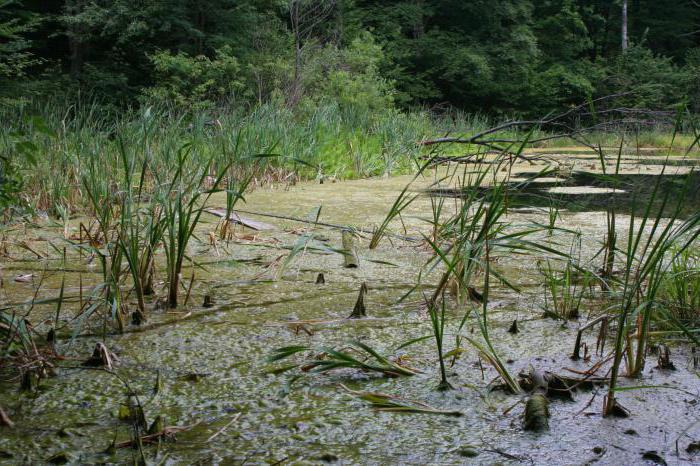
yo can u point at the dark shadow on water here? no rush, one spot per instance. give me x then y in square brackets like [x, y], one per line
[634, 192]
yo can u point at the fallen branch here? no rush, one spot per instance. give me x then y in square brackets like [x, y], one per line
[221, 431]
[167, 432]
[328, 225]
[235, 218]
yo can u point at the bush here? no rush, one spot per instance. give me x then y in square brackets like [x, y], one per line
[350, 77]
[652, 81]
[196, 82]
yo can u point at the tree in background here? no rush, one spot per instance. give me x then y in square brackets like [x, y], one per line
[495, 56]
[16, 58]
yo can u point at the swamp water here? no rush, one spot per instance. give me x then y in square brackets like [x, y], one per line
[212, 360]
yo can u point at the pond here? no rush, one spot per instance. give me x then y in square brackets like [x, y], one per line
[205, 369]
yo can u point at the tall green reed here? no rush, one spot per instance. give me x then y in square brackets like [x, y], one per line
[183, 198]
[654, 242]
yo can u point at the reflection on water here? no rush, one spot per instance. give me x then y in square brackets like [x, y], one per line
[626, 193]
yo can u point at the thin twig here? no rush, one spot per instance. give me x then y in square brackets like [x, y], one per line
[221, 431]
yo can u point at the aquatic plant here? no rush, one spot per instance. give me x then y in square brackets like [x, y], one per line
[680, 289]
[104, 197]
[239, 174]
[183, 200]
[403, 200]
[437, 320]
[610, 240]
[139, 231]
[653, 245]
[487, 351]
[358, 355]
[565, 288]
[395, 404]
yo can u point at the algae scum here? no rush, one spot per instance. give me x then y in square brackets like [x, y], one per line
[204, 368]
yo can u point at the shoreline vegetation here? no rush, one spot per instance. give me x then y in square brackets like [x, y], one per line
[328, 142]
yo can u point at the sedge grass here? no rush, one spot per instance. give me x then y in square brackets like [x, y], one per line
[357, 356]
[653, 244]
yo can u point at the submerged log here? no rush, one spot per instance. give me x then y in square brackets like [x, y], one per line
[349, 252]
[360, 311]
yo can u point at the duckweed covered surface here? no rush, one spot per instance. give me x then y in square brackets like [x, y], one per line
[213, 367]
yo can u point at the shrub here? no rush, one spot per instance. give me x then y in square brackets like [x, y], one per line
[196, 82]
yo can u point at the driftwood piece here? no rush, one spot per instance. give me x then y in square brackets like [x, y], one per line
[351, 260]
[246, 222]
[5, 420]
[330, 225]
[360, 311]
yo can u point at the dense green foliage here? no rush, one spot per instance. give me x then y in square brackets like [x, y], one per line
[496, 56]
[325, 84]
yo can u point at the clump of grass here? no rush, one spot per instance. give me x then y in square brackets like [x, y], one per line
[653, 245]
[680, 289]
[183, 201]
[565, 288]
[356, 356]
